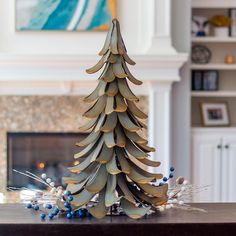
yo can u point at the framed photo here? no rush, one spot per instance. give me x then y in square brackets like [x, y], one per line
[210, 80]
[232, 28]
[215, 114]
[62, 15]
[200, 26]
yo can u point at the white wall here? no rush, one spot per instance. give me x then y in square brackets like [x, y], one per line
[131, 14]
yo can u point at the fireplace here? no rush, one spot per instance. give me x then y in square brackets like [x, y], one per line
[49, 153]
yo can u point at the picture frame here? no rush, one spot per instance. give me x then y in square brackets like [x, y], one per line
[232, 28]
[215, 114]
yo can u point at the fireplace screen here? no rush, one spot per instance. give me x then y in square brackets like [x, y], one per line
[49, 153]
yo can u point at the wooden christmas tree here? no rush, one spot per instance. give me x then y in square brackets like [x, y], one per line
[114, 162]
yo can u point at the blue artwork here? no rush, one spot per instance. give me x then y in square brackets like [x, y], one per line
[69, 15]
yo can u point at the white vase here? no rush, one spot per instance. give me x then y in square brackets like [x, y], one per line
[221, 31]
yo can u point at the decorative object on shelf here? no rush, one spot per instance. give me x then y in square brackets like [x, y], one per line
[232, 28]
[221, 25]
[229, 59]
[205, 80]
[197, 80]
[200, 26]
[215, 114]
[210, 80]
[76, 15]
[201, 54]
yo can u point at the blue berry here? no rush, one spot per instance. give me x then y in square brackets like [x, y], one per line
[50, 216]
[72, 213]
[67, 205]
[88, 215]
[42, 216]
[29, 205]
[49, 206]
[68, 216]
[172, 169]
[165, 179]
[36, 207]
[171, 175]
[160, 184]
[56, 210]
[81, 213]
[67, 193]
[70, 198]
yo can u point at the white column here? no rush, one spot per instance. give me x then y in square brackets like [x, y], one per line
[161, 21]
[159, 124]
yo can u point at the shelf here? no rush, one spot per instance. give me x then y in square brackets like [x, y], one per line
[213, 39]
[213, 93]
[213, 4]
[213, 66]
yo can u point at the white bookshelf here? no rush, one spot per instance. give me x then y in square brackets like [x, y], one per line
[213, 93]
[213, 4]
[213, 66]
[213, 39]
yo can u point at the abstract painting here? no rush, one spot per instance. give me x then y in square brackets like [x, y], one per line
[68, 15]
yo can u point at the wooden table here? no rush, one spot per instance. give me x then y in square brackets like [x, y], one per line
[220, 219]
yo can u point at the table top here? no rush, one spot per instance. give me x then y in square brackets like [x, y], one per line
[219, 217]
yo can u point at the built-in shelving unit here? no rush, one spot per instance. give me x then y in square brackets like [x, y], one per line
[219, 47]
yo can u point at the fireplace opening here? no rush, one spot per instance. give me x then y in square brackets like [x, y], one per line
[49, 153]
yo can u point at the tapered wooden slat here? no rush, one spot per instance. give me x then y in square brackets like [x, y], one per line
[100, 210]
[99, 65]
[146, 148]
[87, 150]
[149, 162]
[82, 198]
[82, 165]
[120, 139]
[108, 75]
[109, 105]
[99, 181]
[120, 43]
[136, 111]
[156, 191]
[89, 124]
[156, 201]
[122, 160]
[112, 58]
[105, 155]
[137, 176]
[110, 123]
[130, 76]
[93, 136]
[135, 137]
[78, 178]
[120, 105]
[75, 188]
[125, 91]
[111, 197]
[109, 139]
[128, 59]
[134, 151]
[135, 120]
[102, 88]
[107, 41]
[112, 167]
[123, 186]
[112, 89]
[100, 122]
[144, 172]
[97, 108]
[118, 69]
[95, 94]
[113, 44]
[133, 211]
[127, 123]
